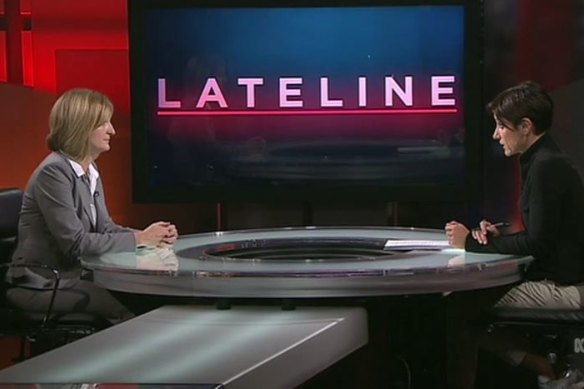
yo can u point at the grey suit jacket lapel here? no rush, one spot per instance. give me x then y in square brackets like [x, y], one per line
[83, 192]
[100, 209]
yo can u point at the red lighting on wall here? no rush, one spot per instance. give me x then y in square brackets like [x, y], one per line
[16, 42]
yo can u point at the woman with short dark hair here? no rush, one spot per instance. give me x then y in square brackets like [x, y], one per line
[552, 210]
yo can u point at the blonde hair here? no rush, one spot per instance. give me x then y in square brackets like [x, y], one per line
[73, 117]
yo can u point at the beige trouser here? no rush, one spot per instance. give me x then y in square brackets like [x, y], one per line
[541, 294]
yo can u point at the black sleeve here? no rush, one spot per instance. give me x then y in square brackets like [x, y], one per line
[541, 208]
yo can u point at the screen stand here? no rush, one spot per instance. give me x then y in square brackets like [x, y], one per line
[307, 213]
[218, 216]
[392, 214]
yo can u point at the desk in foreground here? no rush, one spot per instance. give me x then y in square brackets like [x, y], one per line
[243, 347]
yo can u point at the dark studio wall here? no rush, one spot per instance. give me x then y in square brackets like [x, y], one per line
[540, 41]
[69, 43]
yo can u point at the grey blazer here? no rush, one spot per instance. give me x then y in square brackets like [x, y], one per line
[55, 223]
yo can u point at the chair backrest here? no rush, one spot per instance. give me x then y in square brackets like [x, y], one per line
[10, 204]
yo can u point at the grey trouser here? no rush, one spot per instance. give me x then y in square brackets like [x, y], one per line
[82, 297]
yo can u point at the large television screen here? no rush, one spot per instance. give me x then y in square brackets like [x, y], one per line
[288, 100]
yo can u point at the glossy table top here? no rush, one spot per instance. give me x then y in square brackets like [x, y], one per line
[303, 262]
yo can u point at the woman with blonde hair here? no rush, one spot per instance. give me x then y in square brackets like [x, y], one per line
[64, 214]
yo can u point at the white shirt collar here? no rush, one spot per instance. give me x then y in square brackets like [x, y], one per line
[92, 173]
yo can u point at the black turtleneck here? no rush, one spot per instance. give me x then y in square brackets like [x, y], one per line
[552, 209]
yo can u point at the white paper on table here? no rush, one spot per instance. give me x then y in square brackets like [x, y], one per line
[405, 244]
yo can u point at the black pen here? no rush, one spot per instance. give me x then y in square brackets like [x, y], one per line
[496, 225]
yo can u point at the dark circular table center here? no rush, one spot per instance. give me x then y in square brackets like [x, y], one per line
[294, 250]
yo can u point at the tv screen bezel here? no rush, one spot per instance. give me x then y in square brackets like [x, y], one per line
[468, 190]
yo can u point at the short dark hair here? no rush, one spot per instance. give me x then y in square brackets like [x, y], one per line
[525, 100]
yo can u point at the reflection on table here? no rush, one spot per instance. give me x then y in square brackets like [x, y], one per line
[303, 262]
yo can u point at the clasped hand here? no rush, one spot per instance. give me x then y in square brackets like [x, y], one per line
[159, 234]
[456, 233]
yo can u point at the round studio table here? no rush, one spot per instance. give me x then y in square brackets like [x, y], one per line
[305, 262]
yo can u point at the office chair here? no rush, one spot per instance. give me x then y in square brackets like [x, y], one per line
[10, 203]
[556, 333]
[38, 332]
